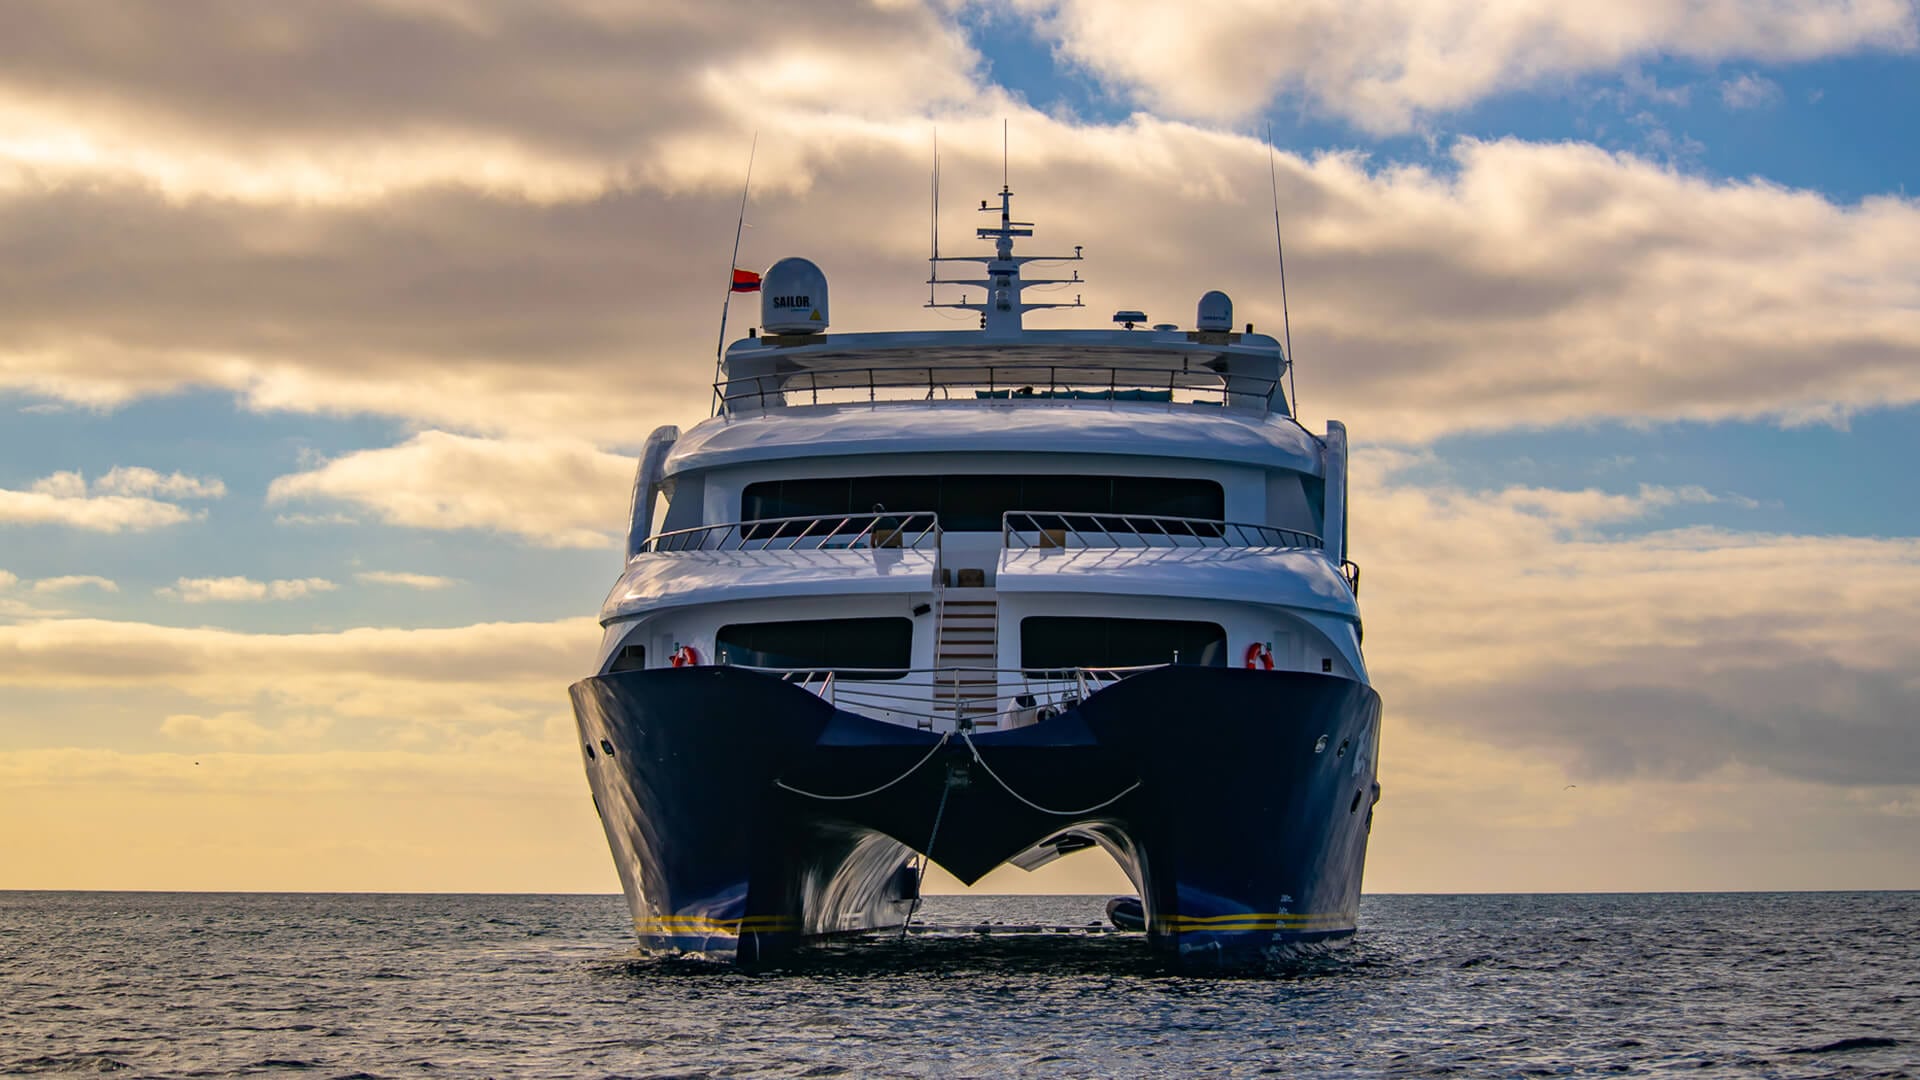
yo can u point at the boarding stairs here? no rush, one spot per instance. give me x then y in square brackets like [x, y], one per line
[966, 652]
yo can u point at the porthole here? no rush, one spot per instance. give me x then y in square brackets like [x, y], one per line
[588, 747]
[1354, 806]
[608, 747]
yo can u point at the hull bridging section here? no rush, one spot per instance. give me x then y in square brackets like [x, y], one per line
[748, 815]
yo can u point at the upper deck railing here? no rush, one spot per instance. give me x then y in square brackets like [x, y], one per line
[995, 382]
[1020, 530]
[977, 696]
[913, 531]
[1057, 529]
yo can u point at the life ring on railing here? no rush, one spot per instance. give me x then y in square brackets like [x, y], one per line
[684, 656]
[1259, 656]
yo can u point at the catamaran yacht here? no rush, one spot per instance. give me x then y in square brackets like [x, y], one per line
[978, 597]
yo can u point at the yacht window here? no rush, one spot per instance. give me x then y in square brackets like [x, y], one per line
[974, 503]
[1061, 643]
[852, 648]
[629, 658]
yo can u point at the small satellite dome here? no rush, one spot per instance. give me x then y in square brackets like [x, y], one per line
[1216, 312]
[793, 298]
[1164, 326]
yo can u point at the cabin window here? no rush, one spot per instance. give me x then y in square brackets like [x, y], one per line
[629, 658]
[852, 648]
[1061, 643]
[974, 503]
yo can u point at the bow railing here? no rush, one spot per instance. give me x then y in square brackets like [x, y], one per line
[1049, 529]
[828, 532]
[950, 697]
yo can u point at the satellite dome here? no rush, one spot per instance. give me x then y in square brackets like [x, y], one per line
[793, 298]
[1216, 311]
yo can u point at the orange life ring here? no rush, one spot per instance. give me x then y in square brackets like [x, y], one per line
[684, 656]
[1258, 655]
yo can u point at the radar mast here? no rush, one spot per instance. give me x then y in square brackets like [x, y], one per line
[1003, 302]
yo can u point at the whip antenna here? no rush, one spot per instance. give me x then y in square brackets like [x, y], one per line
[933, 258]
[1286, 321]
[719, 348]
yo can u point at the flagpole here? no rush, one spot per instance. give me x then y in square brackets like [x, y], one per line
[726, 302]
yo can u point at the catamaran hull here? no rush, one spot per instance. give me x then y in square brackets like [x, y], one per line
[747, 815]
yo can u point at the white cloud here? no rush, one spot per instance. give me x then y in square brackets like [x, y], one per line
[1529, 284]
[555, 492]
[483, 675]
[62, 499]
[75, 581]
[1524, 283]
[203, 590]
[406, 579]
[137, 480]
[8, 580]
[1384, 66]
[304, 520]
[1505, 617]
[239, 729]
[1750, 91]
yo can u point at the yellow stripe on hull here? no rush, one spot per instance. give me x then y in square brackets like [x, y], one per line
[682, 925]
[1253, 920]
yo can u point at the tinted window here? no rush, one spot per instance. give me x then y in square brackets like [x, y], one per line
[866, 648]
[970, 503]
[1056, 643]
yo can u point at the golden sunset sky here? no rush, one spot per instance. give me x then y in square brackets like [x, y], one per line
[329, 330]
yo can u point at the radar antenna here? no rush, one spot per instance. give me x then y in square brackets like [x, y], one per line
[1003, 305]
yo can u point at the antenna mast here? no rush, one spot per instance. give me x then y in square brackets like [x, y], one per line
[1286, 320]
[1002, 307]
[719, 348]
[933, 259]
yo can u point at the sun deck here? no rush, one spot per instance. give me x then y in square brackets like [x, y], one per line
[1208, 369]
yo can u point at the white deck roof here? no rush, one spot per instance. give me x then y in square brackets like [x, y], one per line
[1133, 429]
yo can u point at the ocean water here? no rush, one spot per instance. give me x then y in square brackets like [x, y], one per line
[192, 985]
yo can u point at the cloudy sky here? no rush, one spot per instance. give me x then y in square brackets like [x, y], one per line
[329, 328]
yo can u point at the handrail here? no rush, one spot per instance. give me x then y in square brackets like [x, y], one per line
[1019, 695]
[912, 531]
[1047, 529]
[996, 382]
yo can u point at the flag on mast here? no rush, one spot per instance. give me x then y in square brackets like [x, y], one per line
[745, 280]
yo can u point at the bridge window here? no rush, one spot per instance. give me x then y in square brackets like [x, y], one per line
[852, 648]
[974, 503]
[1060, 643]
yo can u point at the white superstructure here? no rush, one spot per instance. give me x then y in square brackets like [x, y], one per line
[969, 525]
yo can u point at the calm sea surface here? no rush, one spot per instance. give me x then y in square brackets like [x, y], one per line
[175, 984]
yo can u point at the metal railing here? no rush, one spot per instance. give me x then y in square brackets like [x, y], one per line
[1048, 529]
[994, 698]
[912, 531]
[995, 382]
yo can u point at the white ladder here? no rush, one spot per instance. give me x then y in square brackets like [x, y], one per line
[967, 637]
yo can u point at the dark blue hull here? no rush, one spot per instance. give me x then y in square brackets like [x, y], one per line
[1244, 802]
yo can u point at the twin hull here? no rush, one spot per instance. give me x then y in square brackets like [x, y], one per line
[747, 815]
